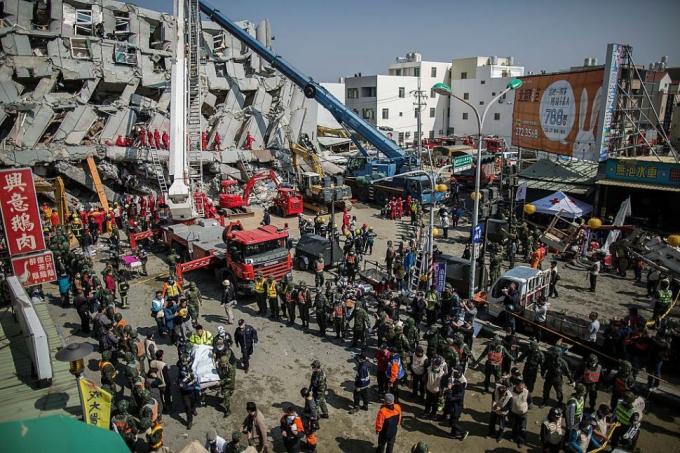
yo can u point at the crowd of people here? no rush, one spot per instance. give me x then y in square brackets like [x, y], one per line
[419, 343]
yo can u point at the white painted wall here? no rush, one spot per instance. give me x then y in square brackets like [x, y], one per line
[324, 118]
[488, 82]
[401, 111]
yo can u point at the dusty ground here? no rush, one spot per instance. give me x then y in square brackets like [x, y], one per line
[281, 366]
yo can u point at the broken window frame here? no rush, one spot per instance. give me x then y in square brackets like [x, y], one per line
[83, 27]
[81, 47]
[219, 42]
[122, 23]
[127, 52]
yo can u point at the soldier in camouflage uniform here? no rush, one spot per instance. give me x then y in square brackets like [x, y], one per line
[194, 302]
[304, 297]
[148, 410]
[361, 325]
[318, 386]
[494, 352]
[125, 424]
[553, 370]
[130, 369]
[434, 340]
[172, 263]
[108, 373]
[495, 266]
[412, 333]
[462, 351]
[322, 309]
[227, 374]
[123, 287]
[534, 360]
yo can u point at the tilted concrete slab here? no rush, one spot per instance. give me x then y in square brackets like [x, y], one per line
[75, 125]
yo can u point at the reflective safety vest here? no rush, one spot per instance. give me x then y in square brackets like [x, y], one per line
[122, 426]
[495, 357]
[578, 411]
[338, 311]
[155, 429]
[172, 290]
[665, 296]
[271, 290]
[591, 376]
[259, 285]
[623, 414]
[103, 365]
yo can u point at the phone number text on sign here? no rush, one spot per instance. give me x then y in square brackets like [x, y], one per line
[558, 110]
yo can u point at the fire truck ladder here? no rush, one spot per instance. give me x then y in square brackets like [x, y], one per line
[194, 155]
[159, 171]
[97, 183]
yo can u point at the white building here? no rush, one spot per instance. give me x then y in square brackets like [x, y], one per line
[478, 80]
[324, 117]
[389, 101]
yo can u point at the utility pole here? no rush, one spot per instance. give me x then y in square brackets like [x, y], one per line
[419, 121]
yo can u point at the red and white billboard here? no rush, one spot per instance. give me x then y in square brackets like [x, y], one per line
[20, 212]
[560, 113]
[35, 269]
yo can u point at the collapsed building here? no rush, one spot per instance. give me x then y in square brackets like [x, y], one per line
[90, 77]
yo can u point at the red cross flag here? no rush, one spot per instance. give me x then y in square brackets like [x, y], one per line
[20, 213]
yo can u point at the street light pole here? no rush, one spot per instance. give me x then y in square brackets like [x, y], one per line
[442, 88]
[433, 177]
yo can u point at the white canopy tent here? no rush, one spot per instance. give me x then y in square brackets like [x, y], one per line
[563, 204]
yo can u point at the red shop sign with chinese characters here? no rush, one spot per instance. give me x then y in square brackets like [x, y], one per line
[20, 213]
[35, 269]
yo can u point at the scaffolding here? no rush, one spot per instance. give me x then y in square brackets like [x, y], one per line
[637, 125]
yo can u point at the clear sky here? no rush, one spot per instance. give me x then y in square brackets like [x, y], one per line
[328, 39]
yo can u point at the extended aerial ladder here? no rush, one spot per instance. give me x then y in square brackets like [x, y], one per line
[396, 159]
[180, 200]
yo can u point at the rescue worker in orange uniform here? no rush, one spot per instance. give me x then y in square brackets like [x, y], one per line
[292, 430]
[387, 424]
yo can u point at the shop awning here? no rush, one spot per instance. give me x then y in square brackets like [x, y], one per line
[636, 185]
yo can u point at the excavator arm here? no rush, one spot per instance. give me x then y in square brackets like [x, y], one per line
[262, 175]
[309, 157]
[57, 187]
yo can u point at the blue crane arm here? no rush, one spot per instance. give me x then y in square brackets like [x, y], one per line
[312, 89]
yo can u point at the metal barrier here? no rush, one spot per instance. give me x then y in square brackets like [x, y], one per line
[33, 332]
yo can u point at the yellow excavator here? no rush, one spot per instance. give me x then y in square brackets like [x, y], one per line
[324, 131]
[317, 193]
[55, 186]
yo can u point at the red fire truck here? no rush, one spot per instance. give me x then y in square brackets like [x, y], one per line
[231, 251]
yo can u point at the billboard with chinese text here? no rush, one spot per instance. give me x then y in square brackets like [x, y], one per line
[20, 212]
[560, 113]
[35, 269]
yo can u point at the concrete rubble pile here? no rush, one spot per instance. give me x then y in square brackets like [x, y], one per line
[84, 78]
